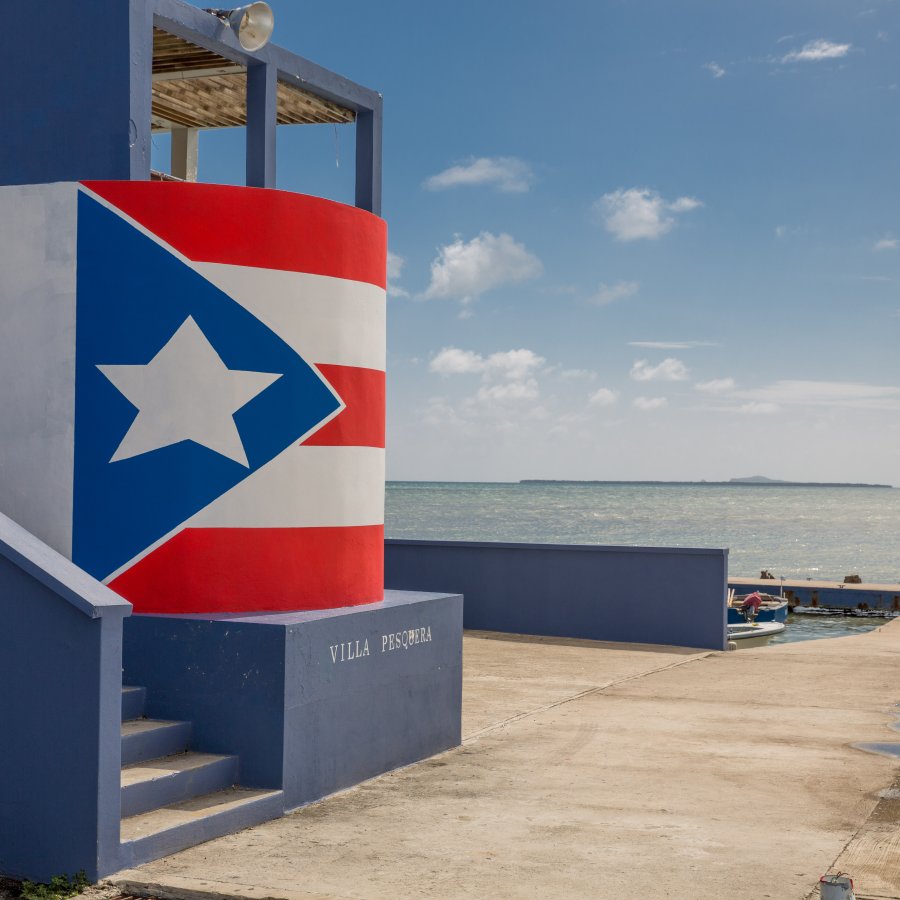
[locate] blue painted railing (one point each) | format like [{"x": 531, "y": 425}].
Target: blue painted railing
[
  {"x": 60, "y": 709},
  {"x": 647, "y": 595}
]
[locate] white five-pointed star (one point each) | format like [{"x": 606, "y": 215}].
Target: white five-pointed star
[{"x": 186, "y": 393}]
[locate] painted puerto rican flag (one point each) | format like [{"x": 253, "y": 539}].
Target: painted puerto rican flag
[{"x": 229, "y": 398}]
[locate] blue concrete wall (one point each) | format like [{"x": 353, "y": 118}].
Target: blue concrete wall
[
  {"x": 77, "y": 110},
  {"x": 351, "y": 720},
  {"x": 225, "y": 676},
  {"x": 645, "y": 595},
  {"x": 60, "y": 667},
  {"x": 274, "y": 689}
]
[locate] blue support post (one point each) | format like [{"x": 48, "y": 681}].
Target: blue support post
[
  {"x": 368, "y": 158},
  {"x": 262, "y": 113},
  {"x": 141, "y": 89}
]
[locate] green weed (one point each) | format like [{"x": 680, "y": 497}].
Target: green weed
[{"x": 60, "y": 886}]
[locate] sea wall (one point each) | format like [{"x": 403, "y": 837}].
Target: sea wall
[
  {"x": 826, "y": 594},
  {"x": 647, "y": 595}
]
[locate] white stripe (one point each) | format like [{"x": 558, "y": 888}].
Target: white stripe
[
  {"x": 329, "y": 487},
  {"x": 304, "y": 487},
  {"x": 37, "y": 358},
  {"x": 326, "y": 320}
]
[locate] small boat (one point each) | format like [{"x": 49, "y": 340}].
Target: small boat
[
  {"x": 752, "y": 634},
  {"x": 770, "y": 609}
]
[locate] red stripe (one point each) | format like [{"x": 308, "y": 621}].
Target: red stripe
[
  {"x": 361, "y": 424},
  {"x": 254, "y": 227},
  {"x": 258, "y": 570}
]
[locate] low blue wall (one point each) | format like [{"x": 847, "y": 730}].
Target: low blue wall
[
  {"x": 60, "y": 713},
  {"x": 646, "y": 595}
]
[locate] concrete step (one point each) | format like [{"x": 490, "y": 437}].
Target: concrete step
[
  {"x": 161, "y": 832},
  {"x": 133, "y": 700},
  {"x": 144, "y": 739},
  {"x": 159, "y": 782}
]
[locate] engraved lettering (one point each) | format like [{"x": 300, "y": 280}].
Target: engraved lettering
[{"x": 351, "y": 650}]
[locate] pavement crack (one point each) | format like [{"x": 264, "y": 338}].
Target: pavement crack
[{"x": 598, "y": 689}]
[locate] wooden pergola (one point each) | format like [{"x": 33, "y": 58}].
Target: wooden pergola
[
  {"x": 130, "y": 69},
  {"x": 197, "y": 88}
]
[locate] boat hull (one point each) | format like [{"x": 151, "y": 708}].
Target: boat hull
[
  {"x": 767, "y": 613},
  {"x": 756, "y": 635}
]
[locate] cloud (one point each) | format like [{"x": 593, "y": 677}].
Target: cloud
[
  {"x": 453, "y": 361},
  {"x": 395, "y": 264},
  {"x": 640, "y": 213},
  {"x": 670, "y": 369},
  {"x": 603, "y": 397},
  {"x": 466, "y": 269},
  {"x": 843, "y": 394},
  {"x": 716, "y": 386},
  {"x": 514, "y": 363},
  {"x": 508, "y": 390},
  {"x": 714, "y": 69},
  {"x": 609, "y": 293},
  {"x": 572, "y": 374},
  {"x": 816, "y": 51},
  {"x": 646, "y": 404},
  {"x": 507, "y": 396},
  {"x": 685, "y": 204},
  {"x": 780, "y": 231},
  {"x": 510, "y": 364},
  {"x": 671, "y": 345},
  {"x": 886, "y": 243},
  {"x": 759, "y": 408},
  {"x": 506, "y": 173}
]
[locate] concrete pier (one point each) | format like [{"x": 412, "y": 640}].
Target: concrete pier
[
  {"x": 606, "y": 770},
  {"x": 826, "y": 594}
]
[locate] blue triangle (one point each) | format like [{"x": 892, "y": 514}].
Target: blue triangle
[{"x": 132, "y": 297}]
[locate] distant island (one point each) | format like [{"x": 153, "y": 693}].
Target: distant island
[
  {"x": 750, "y": 481},
  {"x": 761, "y": 479}
]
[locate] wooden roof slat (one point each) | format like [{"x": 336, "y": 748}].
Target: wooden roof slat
[{"x": 207, "y": 100}]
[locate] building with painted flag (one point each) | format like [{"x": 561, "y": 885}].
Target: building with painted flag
[
  {"x": 216, "y": 441},
  {"x": 192, "y": 440}
]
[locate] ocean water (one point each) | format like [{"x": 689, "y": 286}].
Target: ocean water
[
  {"x": 797, "y": 532},
  {"x": 814, "y": 628}
]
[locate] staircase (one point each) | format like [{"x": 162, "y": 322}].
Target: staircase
[{"x": 174, "y": 797}]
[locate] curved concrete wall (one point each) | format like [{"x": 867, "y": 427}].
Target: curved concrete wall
[{"x": 193, "y": 391}]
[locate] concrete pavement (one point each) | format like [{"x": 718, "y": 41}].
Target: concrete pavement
[{"x": 605, "y": 770}]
